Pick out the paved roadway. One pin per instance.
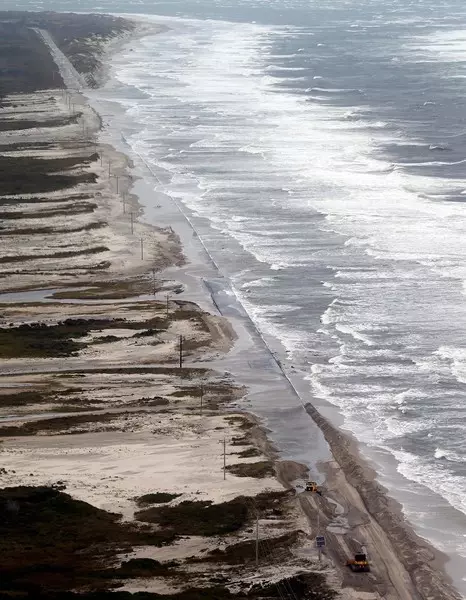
(73, 80)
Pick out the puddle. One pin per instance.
(46, 296)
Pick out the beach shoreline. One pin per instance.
(204, 284)
(435, 557)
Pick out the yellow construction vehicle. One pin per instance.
(359, 564)
(311, 486)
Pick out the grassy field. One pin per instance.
(50, 542)
(25, 63)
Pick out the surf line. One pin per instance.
(255, 328)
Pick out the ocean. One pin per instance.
(321, 147)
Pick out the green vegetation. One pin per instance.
(30, 175)
(38, 340)
(17, 124)
(23, 398)
(263, 468)
(152, 402)
(58, 424)
(73, 198)
(52, 230)
(201, 517)
(63, 254)
(146, 333)
(248, 453)
(25, 145)
(69, 398)
(184, 373)
(240, 441)
(50, 542)
(156, 498)
(26, 64)
(139, 567)
(240, 421)
(306, 586)
(74, 209)
(245, 552)
(41, 340)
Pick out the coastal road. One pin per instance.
(345, 520)
(347, 529)
(355, 512)
(72, 79)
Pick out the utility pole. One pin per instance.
(124, 204)
(224, 458)
(142, 249)
(257, 539)
(168, 298)
(181, 351)
(318, 533)
(132, 222)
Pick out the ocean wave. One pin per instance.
(439, 147)
(251, 150)
(336, 90)
(443, 454)
(433, 163)
(443, 481)
(261, 140)
(284, 68)
(348, 330)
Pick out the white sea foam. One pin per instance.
(284, 178)
(433, 476)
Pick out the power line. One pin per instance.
(283, 587)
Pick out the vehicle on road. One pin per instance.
(359, 564)
(311, 486)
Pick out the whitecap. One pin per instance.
(439, 453)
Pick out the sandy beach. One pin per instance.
(133, 380)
